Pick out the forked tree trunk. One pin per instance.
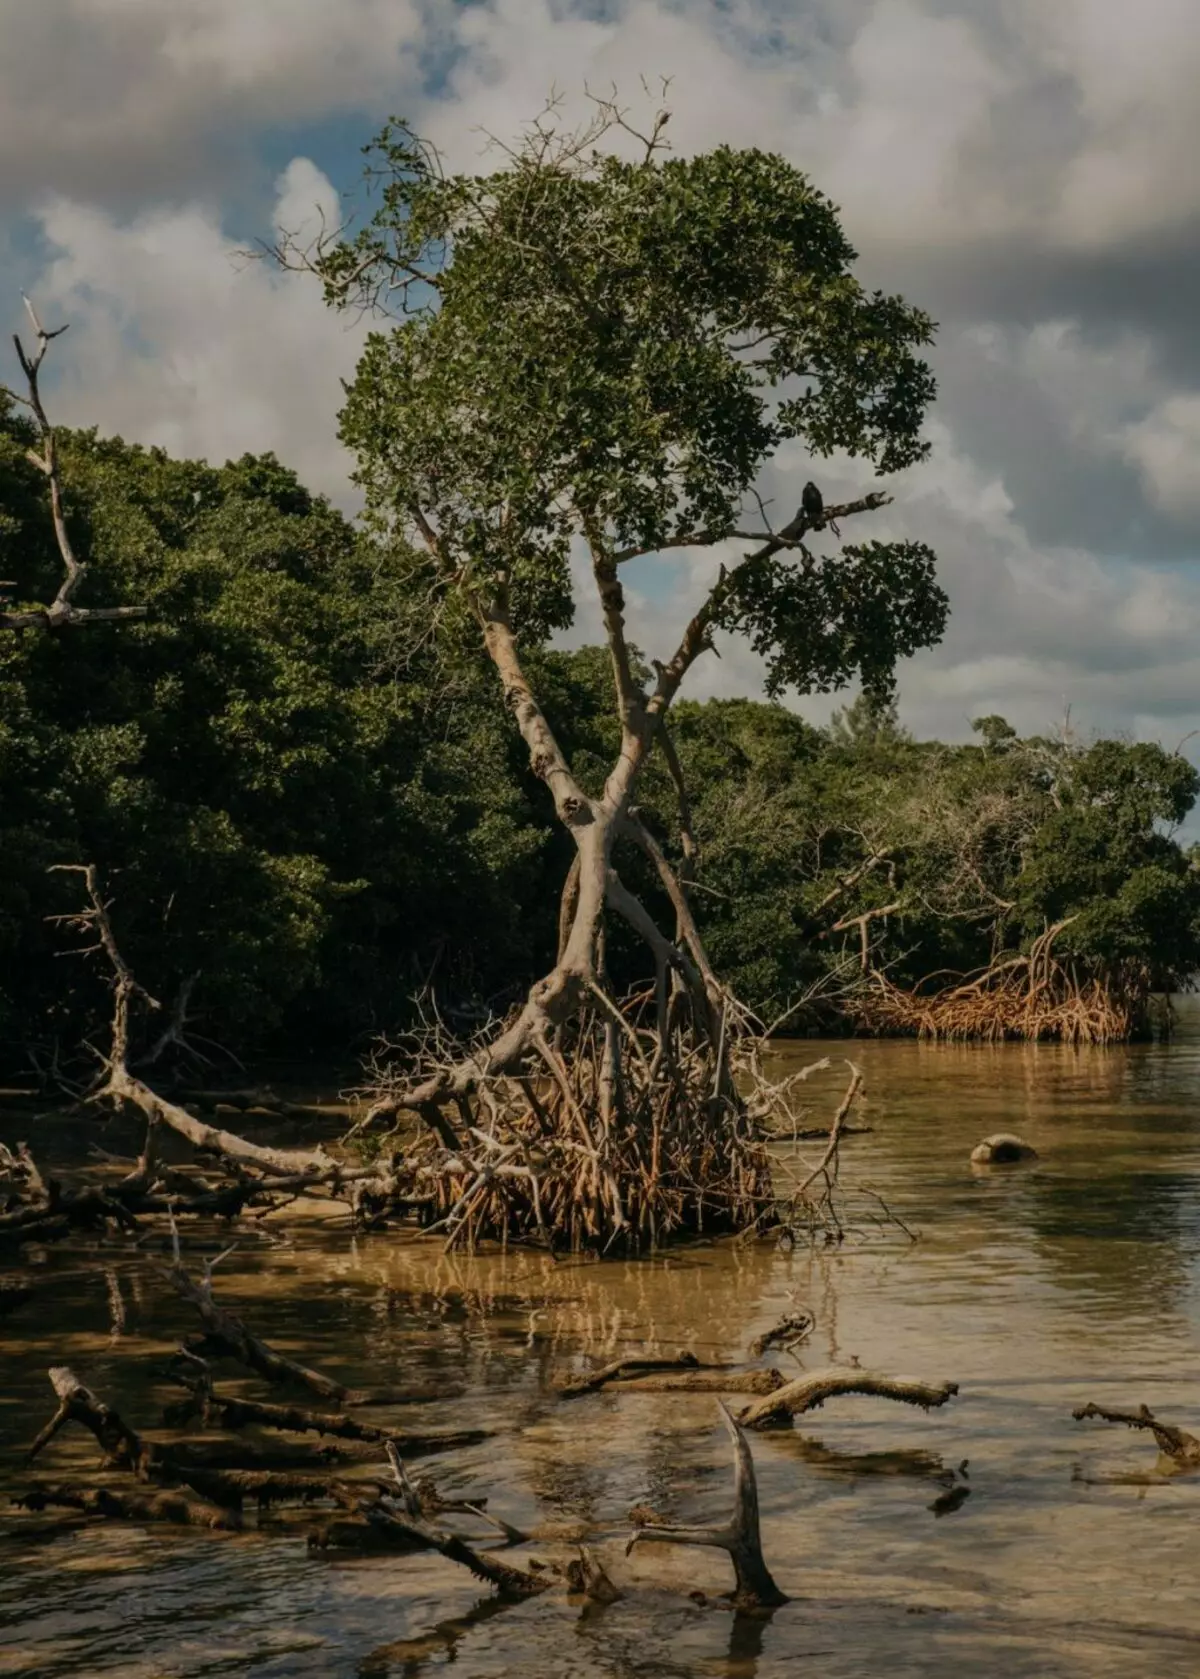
(588, 1118)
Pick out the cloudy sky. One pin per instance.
(1023, 169)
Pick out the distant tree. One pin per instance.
(995, 733)
(871, 719)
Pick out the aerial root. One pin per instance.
(1035, 997)
(637, 1129)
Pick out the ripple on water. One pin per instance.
(1036, 1289)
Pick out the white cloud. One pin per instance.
(112, 98)
(975, 146)
(177, 340)
(1166, 448)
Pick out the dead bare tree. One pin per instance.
(62, 612)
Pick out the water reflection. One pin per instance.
(1035, 1289)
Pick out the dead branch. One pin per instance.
(390, 1523)
(622, 1368)
(585, 1577)
(739, 1536)
(122, 1446)
(62, 611)
(705, 1381)
(1181, 1448)
(225, 1333)
(791, 1329)
(827, 1160)
(227, 1411)
(808, 1393)
(863, 922)
(174, 1505)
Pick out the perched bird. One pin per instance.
(812, 505)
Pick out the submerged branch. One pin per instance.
(1175, 1443)
(808, 1393)
(755, 1589)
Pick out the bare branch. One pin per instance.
(1182, 1448)
(62, 610)
(697, 635)
(740, 1536)
(808, 1393)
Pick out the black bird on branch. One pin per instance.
(812, 505)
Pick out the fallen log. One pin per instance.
(231, 1413)
(620, 1368)
(1176, 1444)
(809, 1392)
(755, 1588)
(231, 1487)
(195, 1466)
(172, 1506)
(226, 1334)
(122, 1446)
(704, 1381)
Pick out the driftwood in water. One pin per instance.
(226, 1334)
(401, 1522)
(174, 1505)
(229, 1412)
(221, 1489)
(739, 1536)
(122, 1446)
(1176, 1444)
(809, 1392)
(791, 1329)
(39, 1208)
(705, 1381)
(622, 1369)
(585, 1576)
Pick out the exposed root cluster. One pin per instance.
(1035, 996)
(629, 1137)
(626, 1127)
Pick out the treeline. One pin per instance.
(305, 803)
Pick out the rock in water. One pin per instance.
(1001, 1150)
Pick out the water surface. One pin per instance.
(1036, 1289)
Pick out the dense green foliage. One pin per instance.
(283, 797)
(611, 349)
(964, 853)
(297, 777)
(275, 802)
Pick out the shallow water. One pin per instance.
(1034, 1288)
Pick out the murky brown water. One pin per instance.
(1035, 1290)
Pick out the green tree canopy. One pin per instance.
(613, 349)
(274, 803)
